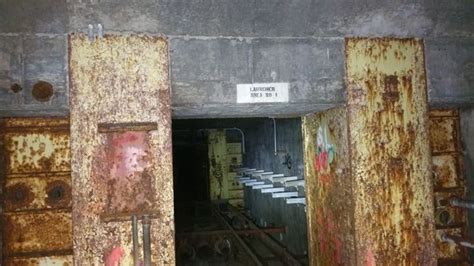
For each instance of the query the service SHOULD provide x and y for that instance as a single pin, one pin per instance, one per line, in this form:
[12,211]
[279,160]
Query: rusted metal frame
[454,118]
[61,252]
[271,230]
[451,226]
[42,210]
[449,189]
[124,127]
[37,175]
[63,129]
[435,153]
[280,251]
[252,255]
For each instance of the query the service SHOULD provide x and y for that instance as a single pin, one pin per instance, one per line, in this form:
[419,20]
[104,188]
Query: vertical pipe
[135,240]
[275,135]
[146,241]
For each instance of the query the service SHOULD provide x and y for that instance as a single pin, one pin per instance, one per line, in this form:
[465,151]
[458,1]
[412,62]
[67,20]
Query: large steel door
[368,164]
[36,216]
[329,198]
[390,153]
[120,147]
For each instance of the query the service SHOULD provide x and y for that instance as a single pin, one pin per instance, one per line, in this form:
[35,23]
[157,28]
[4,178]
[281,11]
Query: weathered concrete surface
[25,60]
[217,44]
[260,146]
[43,16]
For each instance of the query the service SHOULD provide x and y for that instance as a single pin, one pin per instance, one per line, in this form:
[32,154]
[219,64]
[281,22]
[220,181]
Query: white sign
[262,93]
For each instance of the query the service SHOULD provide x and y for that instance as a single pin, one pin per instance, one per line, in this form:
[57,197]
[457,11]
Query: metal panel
[328,188]
[124,177]
[36,190]
[43,192]
[446,171]
[41,261]
[34,146]
[30,233]
[119,82]
[448,183]
[443,134]
[390,153]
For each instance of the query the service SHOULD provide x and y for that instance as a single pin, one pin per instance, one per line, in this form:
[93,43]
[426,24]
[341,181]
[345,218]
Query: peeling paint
[390,153]
[378,205]
[118,80]
[328,189]
[448,182]
[36,219]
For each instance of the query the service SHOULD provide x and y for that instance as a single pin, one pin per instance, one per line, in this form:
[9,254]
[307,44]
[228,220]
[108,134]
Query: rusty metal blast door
[368,164]
[36,219]
[121,151]
[390,152]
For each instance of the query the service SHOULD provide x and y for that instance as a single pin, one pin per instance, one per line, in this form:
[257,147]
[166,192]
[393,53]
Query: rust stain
[36,218]
[449,182]
[33,233]
[58,194]
[328,188]
[42,91]
[443,134]
[40,261]
[119,80]
[17,196]
[390,155]
[448,250]
[36,150]
[36,191]
[122,172]
[446,172]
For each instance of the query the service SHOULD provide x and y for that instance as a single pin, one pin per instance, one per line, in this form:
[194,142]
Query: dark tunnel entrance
[220,220]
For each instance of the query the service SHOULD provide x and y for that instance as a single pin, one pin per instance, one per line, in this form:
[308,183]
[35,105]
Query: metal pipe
[242,136]
[146,241]
[458,240]
[456,202]
[275,135]
[135,240]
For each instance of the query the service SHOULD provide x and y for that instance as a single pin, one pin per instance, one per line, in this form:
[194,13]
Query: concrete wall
[220,43]
[259,143]
[467,138]
[268,211]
